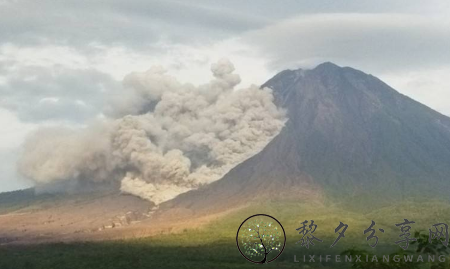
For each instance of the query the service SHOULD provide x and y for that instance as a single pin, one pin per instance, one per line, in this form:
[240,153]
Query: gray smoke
[161,138]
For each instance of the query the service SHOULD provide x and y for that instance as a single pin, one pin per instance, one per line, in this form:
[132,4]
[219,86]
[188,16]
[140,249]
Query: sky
[61,61]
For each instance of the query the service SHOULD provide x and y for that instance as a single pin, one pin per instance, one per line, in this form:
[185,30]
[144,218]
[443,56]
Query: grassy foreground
[214,246]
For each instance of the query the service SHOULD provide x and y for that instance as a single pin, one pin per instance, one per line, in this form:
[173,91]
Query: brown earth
[94,216]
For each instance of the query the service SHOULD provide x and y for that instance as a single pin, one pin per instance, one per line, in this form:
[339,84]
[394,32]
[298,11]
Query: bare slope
[26,217]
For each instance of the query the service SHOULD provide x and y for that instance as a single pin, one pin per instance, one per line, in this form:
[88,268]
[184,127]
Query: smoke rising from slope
[161,137]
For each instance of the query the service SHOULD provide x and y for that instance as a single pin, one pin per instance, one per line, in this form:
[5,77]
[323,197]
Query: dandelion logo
[261,238]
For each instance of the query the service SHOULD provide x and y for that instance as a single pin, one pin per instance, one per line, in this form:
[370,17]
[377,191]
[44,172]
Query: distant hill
[27,217]
[10,201]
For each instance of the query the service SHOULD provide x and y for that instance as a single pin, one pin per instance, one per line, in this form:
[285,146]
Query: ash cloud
[161,137]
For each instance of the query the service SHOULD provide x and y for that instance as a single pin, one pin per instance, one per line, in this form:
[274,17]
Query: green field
[214,246]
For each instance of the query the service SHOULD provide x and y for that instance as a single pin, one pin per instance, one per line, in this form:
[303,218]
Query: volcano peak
[349,137]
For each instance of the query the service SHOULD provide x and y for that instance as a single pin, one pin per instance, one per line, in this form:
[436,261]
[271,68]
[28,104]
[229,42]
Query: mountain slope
[349,137]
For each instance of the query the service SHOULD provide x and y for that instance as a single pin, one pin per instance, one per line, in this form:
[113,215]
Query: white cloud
[372,42]
[430,87]
[13,130]
[10,179]
[42,56]
[12,135]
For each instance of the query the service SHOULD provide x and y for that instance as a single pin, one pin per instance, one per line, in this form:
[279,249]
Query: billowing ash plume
[162,138]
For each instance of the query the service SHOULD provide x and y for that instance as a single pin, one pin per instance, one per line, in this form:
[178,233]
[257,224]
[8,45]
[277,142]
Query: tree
[424,246]
[261,238]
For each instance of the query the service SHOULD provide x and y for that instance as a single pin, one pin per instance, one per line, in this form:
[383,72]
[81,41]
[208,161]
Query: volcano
[349,138]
